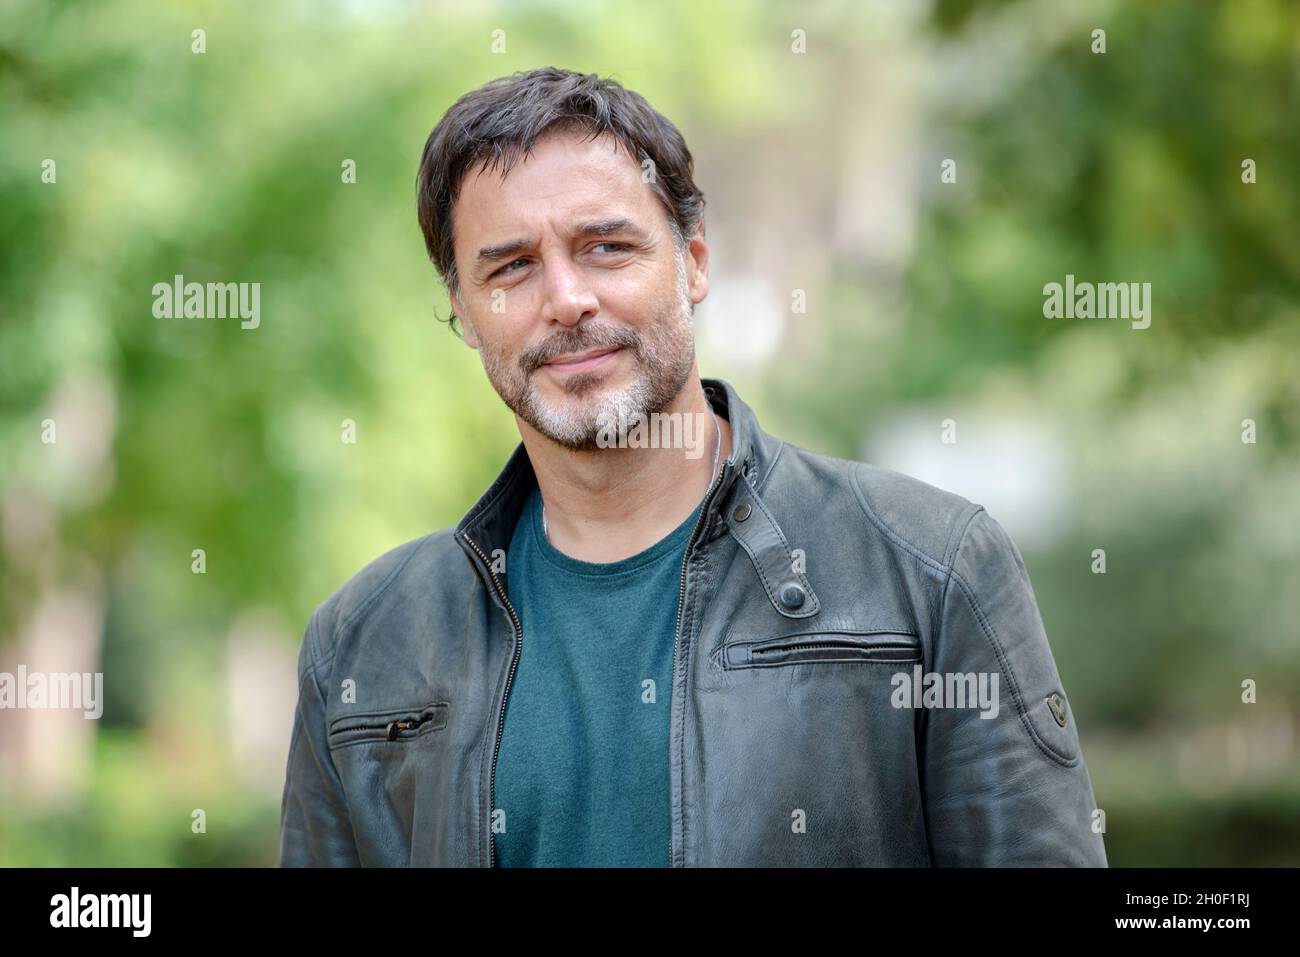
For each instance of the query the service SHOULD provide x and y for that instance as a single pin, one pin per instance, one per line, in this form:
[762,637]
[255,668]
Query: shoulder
[914,516]
[392,579]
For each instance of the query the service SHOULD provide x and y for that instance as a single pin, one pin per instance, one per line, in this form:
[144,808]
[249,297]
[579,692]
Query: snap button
[792,595]
[742,512]
[1057,706]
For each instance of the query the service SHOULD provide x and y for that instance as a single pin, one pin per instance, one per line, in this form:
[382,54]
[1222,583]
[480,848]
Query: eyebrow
[601,227]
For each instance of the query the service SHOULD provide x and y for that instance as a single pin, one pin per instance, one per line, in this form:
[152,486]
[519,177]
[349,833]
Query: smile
[583,362]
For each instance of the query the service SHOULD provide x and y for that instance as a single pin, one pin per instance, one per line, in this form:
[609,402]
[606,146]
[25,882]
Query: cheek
[512,313]
[505,336]
[639,294]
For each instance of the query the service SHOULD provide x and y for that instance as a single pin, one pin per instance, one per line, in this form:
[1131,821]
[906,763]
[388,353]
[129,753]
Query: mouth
[583,361]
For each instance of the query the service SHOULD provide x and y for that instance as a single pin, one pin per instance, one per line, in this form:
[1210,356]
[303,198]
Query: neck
[609,504]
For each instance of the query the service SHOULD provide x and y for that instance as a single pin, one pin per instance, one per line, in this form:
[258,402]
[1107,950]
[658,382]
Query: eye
[506,268]
[618,247]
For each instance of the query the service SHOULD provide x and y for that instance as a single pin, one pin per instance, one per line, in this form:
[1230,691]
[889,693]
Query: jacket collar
[490,524]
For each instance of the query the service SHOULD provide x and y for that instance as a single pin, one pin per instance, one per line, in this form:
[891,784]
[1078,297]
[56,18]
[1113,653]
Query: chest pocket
[821,647]
[398,725]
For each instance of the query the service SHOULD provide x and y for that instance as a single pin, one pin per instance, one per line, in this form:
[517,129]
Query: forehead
[567,176]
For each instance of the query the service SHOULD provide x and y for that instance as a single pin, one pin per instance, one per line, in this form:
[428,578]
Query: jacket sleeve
[315,828]
[1004,784]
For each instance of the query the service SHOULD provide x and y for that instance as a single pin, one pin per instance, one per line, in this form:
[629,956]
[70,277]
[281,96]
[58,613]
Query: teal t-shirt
[582,774]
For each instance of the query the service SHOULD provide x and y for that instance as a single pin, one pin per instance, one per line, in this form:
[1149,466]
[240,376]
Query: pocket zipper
[393,730]
[843,646]
[790,650]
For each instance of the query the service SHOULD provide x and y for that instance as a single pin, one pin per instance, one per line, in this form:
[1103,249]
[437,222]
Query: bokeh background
[822,174]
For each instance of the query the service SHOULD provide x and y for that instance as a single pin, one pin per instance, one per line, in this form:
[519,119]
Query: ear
[697,265]
[466,327]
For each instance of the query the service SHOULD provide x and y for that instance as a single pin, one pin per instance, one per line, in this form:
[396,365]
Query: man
[662,637]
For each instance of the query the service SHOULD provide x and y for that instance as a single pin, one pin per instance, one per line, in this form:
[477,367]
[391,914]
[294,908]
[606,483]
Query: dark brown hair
[500,121]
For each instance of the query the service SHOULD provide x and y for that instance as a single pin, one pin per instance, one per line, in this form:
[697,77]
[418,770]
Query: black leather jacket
[809,584]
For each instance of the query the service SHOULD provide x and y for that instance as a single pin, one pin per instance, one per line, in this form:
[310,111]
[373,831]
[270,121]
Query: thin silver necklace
[717,449]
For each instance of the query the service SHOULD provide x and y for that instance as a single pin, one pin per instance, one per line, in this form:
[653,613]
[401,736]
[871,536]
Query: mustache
[579,340]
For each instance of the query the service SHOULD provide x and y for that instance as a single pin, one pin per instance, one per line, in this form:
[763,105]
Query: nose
[568,296]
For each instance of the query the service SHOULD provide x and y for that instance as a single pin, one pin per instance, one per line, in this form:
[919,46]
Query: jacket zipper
[681,610]
[519,643]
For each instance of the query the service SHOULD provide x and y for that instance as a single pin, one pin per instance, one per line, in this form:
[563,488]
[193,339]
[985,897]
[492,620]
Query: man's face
[573,290]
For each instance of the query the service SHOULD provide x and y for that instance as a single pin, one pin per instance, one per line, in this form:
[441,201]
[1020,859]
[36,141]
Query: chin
[573,418]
